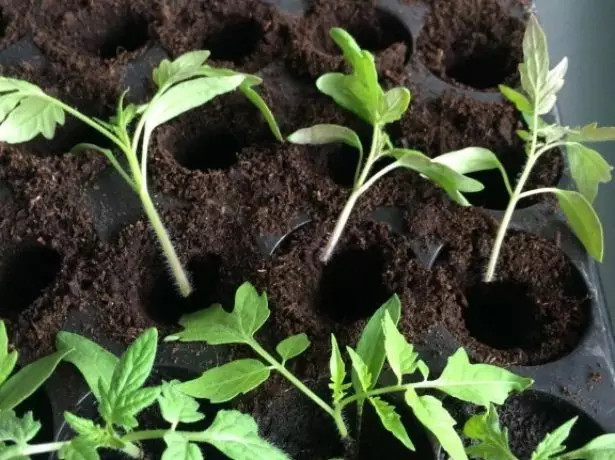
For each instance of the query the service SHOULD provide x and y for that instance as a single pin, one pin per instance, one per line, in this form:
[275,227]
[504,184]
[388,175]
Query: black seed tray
[561,386]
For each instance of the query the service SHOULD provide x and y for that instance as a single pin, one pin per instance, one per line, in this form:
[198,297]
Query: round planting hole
[165,305]
[374,30]
[236,41]
[484,66]
[128,34]
[351,286]
[342,164]
[210,152]
[501,314]
[25,274]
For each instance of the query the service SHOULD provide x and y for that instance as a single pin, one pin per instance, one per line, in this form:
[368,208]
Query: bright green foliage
[121,397]
[223,383]
[537,97]
[491,442]
[8,359]
[361,93]
[217,327]
[124,397]
[93,361]
[292,346]
[177,407]
[182,85]
[27,380]
[337,369]
[477,383]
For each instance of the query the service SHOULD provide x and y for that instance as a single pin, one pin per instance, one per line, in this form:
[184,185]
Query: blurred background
[584,30]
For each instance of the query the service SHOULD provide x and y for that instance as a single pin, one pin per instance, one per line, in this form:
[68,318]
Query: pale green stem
[512,204]
[352,199]
[537,192]
[41,448]
[290,377]
[175,265]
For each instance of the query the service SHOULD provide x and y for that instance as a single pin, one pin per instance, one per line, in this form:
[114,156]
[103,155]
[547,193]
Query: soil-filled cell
[236,41]
[164,303]
[480,48]
[378,31]
[500,314]
[210,151]
[536,310]
[351,286]
[24,275]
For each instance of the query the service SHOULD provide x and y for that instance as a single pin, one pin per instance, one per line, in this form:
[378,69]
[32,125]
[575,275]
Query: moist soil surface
[72,237]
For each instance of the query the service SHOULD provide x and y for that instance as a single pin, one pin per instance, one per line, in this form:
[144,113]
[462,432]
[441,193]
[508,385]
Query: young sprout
[361,93]
[118,386]
[183,84]
[491,441]
[481,384]
[587,167]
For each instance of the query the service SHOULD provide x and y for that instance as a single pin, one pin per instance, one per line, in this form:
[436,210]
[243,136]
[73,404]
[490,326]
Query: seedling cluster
[182,85]
[120,385]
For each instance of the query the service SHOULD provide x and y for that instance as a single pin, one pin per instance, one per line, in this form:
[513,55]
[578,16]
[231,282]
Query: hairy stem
[357,190]
[514,199]
[175,265]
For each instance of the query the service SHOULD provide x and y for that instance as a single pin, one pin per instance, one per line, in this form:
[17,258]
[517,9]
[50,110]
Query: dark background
[584,30]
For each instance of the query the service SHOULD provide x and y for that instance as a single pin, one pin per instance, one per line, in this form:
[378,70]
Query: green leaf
[588,169]
[536,58]
[493,441]
[79,449]
[223,383]
[178,448]
[188,95]
[553,444]
[217,327]
[25,382]
[123,398]
[7,359]
[519,100]
[601,448]
[185,66]
[262,106]
[292,347]
[592,133]
[361,369]
[337,368]
[177,407]
[430,412]
[391,421]
[473,159]
[371,344]
[16,429]
[359,92]
[33,115]
[91,432]
[326,134]
[396,102]
[236,436]
[94,362]
[400,354]
[479,384]
[452,182]
[583,220]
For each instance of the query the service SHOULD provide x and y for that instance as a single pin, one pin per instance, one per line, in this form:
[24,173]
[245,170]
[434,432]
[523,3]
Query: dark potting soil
[221,180]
